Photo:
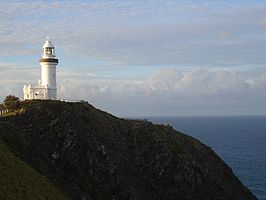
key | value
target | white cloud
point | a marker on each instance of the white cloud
(137, 33)
(196, 87)
(260, 82)
(91, 74)
(263, 22)
(165, 91)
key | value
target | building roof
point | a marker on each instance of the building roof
(48, 43)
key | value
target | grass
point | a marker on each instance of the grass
(19, 181)
(12, 112)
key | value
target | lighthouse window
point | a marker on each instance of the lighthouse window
(49, 50)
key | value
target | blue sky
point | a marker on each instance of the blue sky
(135, 58)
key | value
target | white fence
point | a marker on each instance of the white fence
(3, 111)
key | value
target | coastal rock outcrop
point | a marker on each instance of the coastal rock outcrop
(90, 154)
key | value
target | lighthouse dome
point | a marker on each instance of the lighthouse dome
(48, 43)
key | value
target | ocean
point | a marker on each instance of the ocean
(239, 141)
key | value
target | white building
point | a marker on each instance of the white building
(46, 88)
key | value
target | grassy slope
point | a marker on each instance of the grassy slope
(19, 181)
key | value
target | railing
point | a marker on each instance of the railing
(73, 101)
(3, 111)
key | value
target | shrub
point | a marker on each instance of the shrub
(12, 102)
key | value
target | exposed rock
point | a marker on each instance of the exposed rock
(91, 154)
(17, 179)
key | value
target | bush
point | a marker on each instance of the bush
(12, 102)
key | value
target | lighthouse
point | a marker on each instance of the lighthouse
(48, 64)
(46, 87)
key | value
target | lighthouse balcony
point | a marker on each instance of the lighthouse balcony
(51, 60)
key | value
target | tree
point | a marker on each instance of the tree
(12, 102)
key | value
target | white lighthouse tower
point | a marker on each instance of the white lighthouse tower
(48, 64)
(46, 88)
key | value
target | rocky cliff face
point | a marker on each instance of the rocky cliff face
(17, 179)
(90, 154)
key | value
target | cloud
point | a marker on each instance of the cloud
(160, 57)
(200, 88)
(165, 91)
(137, 33)
(263, 22)
(90, 74)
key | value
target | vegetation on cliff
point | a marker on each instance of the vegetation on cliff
(12, 102)
(17, 179)
(90, 154)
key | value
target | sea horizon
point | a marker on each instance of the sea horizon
(155, 116)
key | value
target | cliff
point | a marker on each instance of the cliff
(17, 179)
(89, 154)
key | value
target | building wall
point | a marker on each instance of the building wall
(48, 74)
(52, 93)
(39, 92)
(46, 88)
(35, 92)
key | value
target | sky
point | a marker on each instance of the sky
(142, 58)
